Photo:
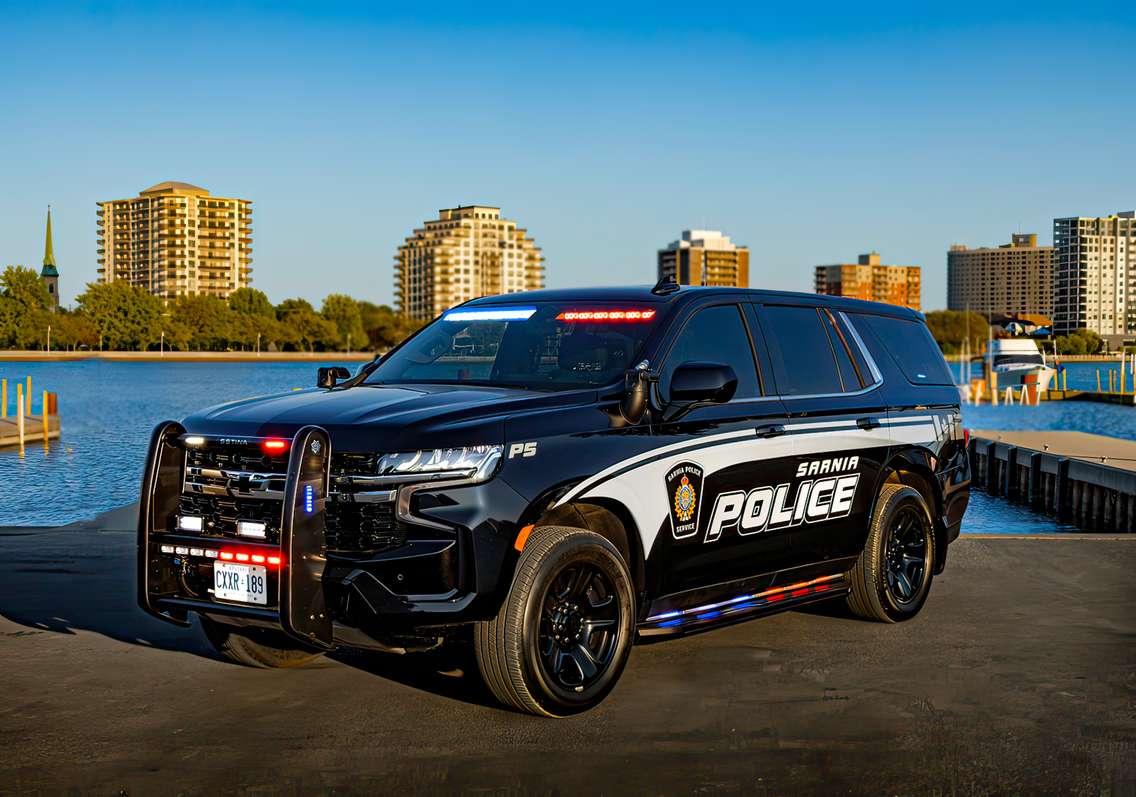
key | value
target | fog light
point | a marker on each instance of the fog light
(250, 528)
(191, 523)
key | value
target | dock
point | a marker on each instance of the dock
(25, 426)
(1084, 479)
(33, 430)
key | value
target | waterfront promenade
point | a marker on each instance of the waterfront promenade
(1016, 678)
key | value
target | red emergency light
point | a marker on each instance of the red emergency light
(607, 316)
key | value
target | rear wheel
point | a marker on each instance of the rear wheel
(256, 647)
(892, 578)
(562, 637)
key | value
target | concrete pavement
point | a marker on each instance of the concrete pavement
(1018, 677)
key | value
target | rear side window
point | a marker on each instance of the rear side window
(911, 346)
(803, 359)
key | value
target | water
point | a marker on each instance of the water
(109, 409)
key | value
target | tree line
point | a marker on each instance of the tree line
(951, 328)
(119, 316)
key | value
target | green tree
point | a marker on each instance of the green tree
(343, 312)
(70, 330)
(125, 317)
(208, 319)
(251, 302)
(24, 313)
(301, 327)
(949, 328)
(1081, 341)
(384, 327)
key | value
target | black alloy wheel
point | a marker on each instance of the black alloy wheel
(906, 554)
(892, 578)
(564, 632)
(579, 626)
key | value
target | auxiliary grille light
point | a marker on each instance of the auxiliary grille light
(226, 555)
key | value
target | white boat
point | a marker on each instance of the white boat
(1013, 358)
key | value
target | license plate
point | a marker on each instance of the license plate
(244, 583)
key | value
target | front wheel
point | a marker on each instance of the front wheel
(560, 641)
(892, 577)
(256, 647)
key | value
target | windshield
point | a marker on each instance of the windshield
(544, 346)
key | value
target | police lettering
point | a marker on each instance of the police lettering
(771, 508)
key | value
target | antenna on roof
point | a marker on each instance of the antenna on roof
(666, 285)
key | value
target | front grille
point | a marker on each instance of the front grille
(225, 484)
(361, 517)
(362, 527)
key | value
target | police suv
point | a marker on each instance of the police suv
(555, 474)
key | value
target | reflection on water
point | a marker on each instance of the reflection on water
(109, 409)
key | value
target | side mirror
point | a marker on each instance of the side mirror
(329, 377)
(703, 383)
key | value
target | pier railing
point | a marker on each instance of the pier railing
(1053, 472)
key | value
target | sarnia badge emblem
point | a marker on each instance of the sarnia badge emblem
(684, 488)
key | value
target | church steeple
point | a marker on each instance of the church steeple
(50, 274)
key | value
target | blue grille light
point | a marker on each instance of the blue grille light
(491, 314)
(309, 499)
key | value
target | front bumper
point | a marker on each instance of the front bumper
(443, 567)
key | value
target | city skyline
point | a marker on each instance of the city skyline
(346, 130)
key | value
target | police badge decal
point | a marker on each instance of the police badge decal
(684, 495)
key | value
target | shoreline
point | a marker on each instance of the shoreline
(186, 356)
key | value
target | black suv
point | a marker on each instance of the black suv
(554, 474)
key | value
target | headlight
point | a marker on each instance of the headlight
(476, 463)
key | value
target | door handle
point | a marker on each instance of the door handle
(771, 430)
(868, 423)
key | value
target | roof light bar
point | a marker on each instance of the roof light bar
(608, 316)
(490, 314)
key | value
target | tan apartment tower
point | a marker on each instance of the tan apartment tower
(705, 257)
(1010, 279)
(871, 280)
(1094, 269)
(467, 252)
(175, 239)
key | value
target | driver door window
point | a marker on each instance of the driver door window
(715, 335)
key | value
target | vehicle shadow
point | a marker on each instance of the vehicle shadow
(449, 672)
(69, 581)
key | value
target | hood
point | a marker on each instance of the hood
(387, 418)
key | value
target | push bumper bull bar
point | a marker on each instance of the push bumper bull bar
(302, 606)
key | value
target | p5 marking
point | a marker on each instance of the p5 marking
(522, 450)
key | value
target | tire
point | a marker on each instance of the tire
(563, 634)
(256, 647)
(892, 577)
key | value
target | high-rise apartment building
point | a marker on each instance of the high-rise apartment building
(466, 252)
(705, 257)
(870, 280)
(1013, 278)
(175, 239)
(1094, 266)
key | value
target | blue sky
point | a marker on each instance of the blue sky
(809, 133)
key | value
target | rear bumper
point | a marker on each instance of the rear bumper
(446, 572)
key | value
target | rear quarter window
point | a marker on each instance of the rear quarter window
(911, 346)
